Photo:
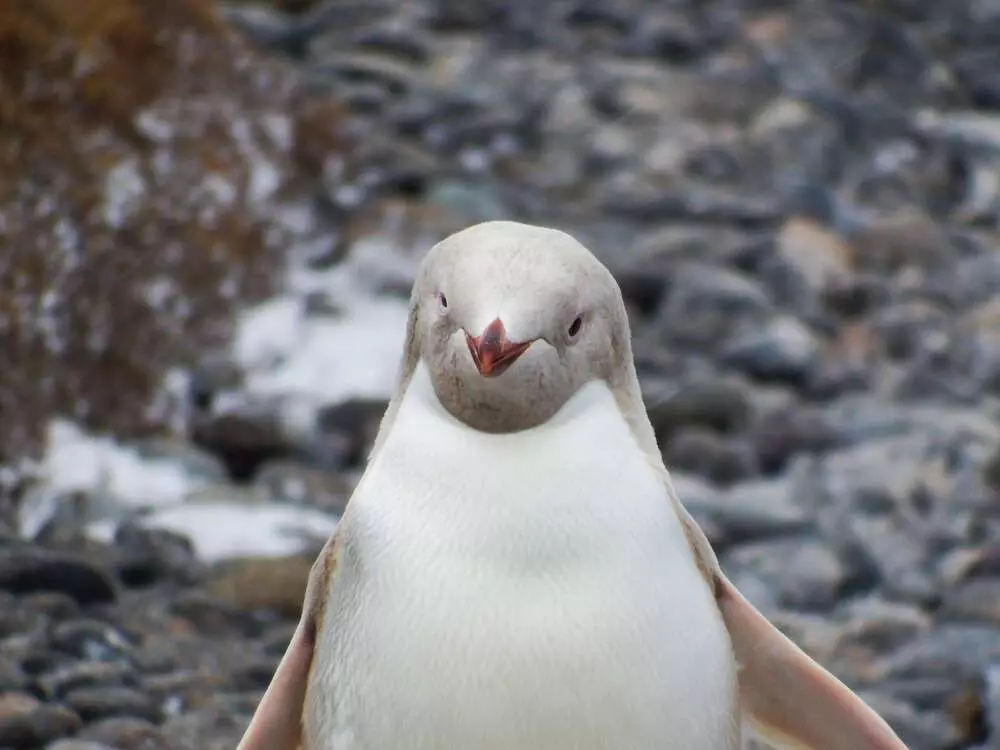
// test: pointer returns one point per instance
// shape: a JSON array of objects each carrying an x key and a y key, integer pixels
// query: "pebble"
[
  {"x": 755, "y": 509},
  {"x": 801, "y": 573},
  {"x": 26, "y": 722},
  {"x": 103, "y": 702},
  {"x": 129, "y": 734},
  {"x": 58, "y": 683},
  {"x": 783, "y": 350},
  {"x": 28, "y": 570},
  {"x": 78, "y": 745}
]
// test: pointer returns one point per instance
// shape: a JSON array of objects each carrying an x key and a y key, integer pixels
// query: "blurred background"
[{"x": 210, "y": 215}]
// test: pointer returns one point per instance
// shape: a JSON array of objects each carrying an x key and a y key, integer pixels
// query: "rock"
[
  {"x": 977, "y": 600},
  {"x": 751, "y": 510},
  {"x": 90, "y": 639},
  {"x": 243, "y": 441},
  {"x": 108, "y": 701},
  {"x": 27, "y": 723},
  {"x": 705, "y": 302},
  {"x": 928, "y": 729},
  {"x": 781, "y": 433},
  {"x": 298, "y": 484},
  {"x": 277, "y": 584},
  {"x": 205, "y": 614},
  {"x": 783, "y": 350},
  {"x": 953, "y": 653},
  {"x": 54, "y": 605},
  {"x": 12, "y": 677},
  {"x": 721, "y": 405},
  {"x": 256, "y": 674},
  {"x": 816, "y": 256},
  {"x": 871, "y": 629},
  {"x": 803, "y": 573},
  {"x": 78, "y": 745},
  {"x": 150, "y": 556},
  {"x": 911, "y": 238},
  {"x": 908, "y": 328},
  {"x": 58, "y": 683},
  {"x": 129, "y": 734},
  {"x": 208, "y": 729},
  {"x": 703, "y": 452},
  {"x": 183, "y": 690},
  {"x": 990, "y": 711},
  {"x": 349, "y": 429},
  {"x": 31, "y": 570}
]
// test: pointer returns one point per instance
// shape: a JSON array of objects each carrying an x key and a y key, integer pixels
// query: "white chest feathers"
[{"x": 517, "y": 592}]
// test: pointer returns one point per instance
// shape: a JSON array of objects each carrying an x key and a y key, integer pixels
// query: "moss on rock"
[{"x": 145, "y": 156}]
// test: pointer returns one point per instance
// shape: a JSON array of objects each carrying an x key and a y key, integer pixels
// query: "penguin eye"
[
  {"x": 575, "y": 326},
  {"x": 443, "y": 301}
]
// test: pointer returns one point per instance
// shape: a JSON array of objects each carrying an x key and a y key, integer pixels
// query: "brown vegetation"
[{"x": 143, "y": 150}]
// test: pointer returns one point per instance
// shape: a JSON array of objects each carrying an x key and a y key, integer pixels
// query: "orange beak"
[{"x": 493, "y": 352}]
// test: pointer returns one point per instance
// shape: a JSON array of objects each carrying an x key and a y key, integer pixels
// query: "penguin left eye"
[{"x": 575, "y": 327}]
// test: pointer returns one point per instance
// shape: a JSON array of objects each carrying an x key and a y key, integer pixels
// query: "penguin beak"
[{"x": 492, "y": 351}]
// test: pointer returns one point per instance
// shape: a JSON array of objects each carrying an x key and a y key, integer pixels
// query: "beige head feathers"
[{"x": 510, "y": 321}]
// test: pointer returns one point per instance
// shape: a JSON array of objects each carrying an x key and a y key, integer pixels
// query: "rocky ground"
[{"x": 800, "y": 200}]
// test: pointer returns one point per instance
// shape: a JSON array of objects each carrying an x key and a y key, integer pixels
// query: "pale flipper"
[
  {"x": 788, "y": 697},
  {"x": 277, "y": 722}
]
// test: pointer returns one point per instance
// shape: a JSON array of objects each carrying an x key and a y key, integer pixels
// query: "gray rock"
[
  {"x": 130, "y": 734},
  {"x": 56, "y": 684},
  {"x": 151, "y": 556},
  {"x": 917, "y": 729},
  {"x": 782, "y": 432},
  {"x": 718, "y": 404},
  {"x": 751, "y": 510},
  {"x": 12, "y": 676},
  {"x": 722, "y": 459},
  {"x": 296, "y": 483},
  {"x": 816, "y": 256},
  {"x": 107, "y": 701},
  {"x": 954, "y": 653},
  {"x": 29, "y": 570},
  {"x": 782, "y": 350},
  {"x": 243, "y": 441},
  {"x": 991, "y": 704},
  {"x": 78, "y": 745},
  {"x": 976, "y": 600},
  {"x": 207, "y": 729},
  {"x": 347, "y": 431},
  {"x": 25, "y": 722},
  {"x": 706, "y": 302},
  {"x": 802, "y": 571},
  {"x": 90, "y": 639}
]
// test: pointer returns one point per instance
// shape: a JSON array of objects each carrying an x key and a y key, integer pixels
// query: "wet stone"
[
  {"x": 25, "y": 722},
  {"x": 107, "y": 701},
  {"x": 129, "y": 734}
]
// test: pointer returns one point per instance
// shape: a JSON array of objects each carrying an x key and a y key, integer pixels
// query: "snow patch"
[
  {"x": 308, "y": 360},
  {"x": 218, "y": 526},
  {"x": 76, "y": 461},
  {"x": 124, "y": 186},
  {"x": 223, "y": 529}
]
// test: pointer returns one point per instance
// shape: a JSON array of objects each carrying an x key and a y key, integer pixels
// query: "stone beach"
[{"x": 204, "y": 278}]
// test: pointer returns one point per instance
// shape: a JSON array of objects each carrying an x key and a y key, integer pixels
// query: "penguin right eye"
[{"x": 443, "y": 301}]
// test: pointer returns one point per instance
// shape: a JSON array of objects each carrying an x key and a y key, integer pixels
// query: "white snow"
[
  {"x": 219, "y": 526},
  {"x": 79, "y": 462},
  {"x": 221, "y": 529},
  {"x": 302, "y": 361},
  {"x": 308, "y": 361},
  {"x": 124, "y": 186}
]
